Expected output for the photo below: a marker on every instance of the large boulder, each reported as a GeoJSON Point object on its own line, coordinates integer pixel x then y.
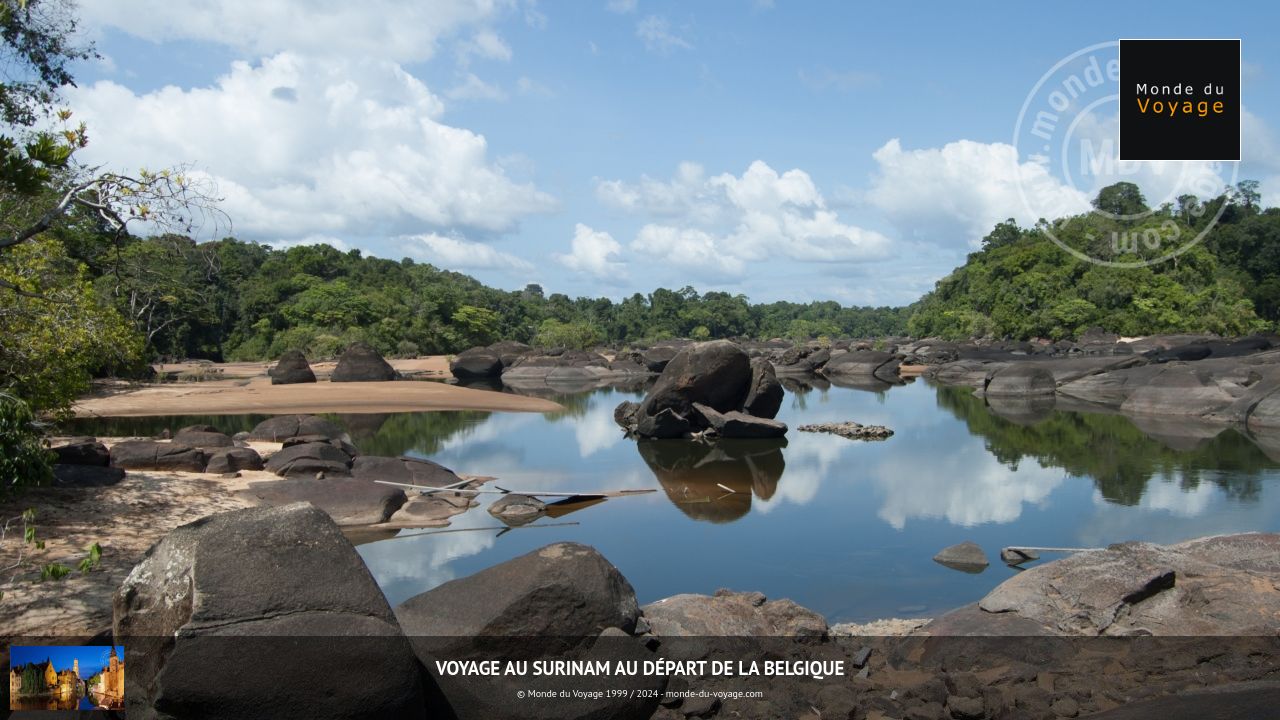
{"type": "Point", "coordinates": [307, 459]}
{"type": "Point", "coordinates": [1181, 390]}
{"type": "Point", "coordinates": [1020, 380]}
{"type": "Point", "coordinates": [346, 500]}
{"type": "Point", "coordinates": [82, 451]}
{"type": "Point", "coordinates": [476, 363]}
{"type": "Point", "coordinates": [361, 363]}
{"type": "Point", "coordinates": [280, 585]}
{"type": "Point", "coordinates": [1110, 388]}
{"type": "Point", "coordinates": [864, 362]}
{"type": "Point", "coordinates": [716, 374]}
{"type": "Point", "coordinates": [283, 427]}
{"type": "Point", "coordinates": [508, 351]}
{"type": "Point", "coordinates": [732, 614]}
{"type": "Point", "coordinates": [410, 471]}
{"type": "Point", "coordinates": [1265, 414]}
{"type": "Point", "coordinates": [965, 557]}
{"type": "Point", "coordinates": [153, 455]}
{"type": "Point", "coordinates": [738, 425]}
{"type": "Point", "coordinates": [202, 436]}
{"type": "Point", "coordinates": [229, 460]}
{"type": "Point", "coordinates": [656, 358]}
{"type": "Point", "coordinates": [764, 398]}
{"type": "Point", "coordinates": [292, 368]}
{"type": "Point", "coordinates": [1216, 586]}
{"type": "Point", "coordinates": [565, 594]}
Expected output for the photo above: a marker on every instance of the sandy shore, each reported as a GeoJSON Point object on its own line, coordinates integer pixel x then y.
{"type": "Point", "coordinates": [124, 519]}
{"type": "Point", "coordinates": [244, 389]}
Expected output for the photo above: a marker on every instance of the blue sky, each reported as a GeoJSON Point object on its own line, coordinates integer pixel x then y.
{"type": "Point", "coordinates": [92, 657]}
{"type": "Point", "coordinates": [606, 147]}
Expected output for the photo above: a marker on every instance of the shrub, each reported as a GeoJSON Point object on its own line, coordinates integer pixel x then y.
{"type": "Point", "coordinates": [23, 459]}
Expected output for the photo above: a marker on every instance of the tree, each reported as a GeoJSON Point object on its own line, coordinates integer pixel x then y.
{"type": "Point", "coordinates": [1122, 199]}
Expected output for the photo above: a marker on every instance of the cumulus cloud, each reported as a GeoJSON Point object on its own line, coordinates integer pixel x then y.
{"type": "Point", "coordinates": [451, 252]}
{"type": "Point", "coordinates": [721, 223]}
{"type": "Point", "coordinates": [300, 146]}
{"type": "Point", "coordinates": [486, 44]}
{"type": "Point", "coordinates": [592, 253]}
{"type": "Point", "coordinates": [473, 88]}
{"type": "Point", "coordinates": [656, 32]}
{"type": "Point", "coordinates": [401, 30]}
{"type": "Point", "coordinates": [960, 191]}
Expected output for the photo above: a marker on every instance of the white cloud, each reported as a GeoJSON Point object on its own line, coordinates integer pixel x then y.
{"type": "Point", "coordinates": [592, 253]}
{"type": "Point", "coordinates": [621, 6]}
{"type": "Point", "coordinates": [656, 32]}
{"type": "Point", "coordinates": [960, 191]}
{"type": "Point", "coordinates": [485, 44]}
{"type": "Point", "coordinates": [300, 146]}
{"type": "Point", "coordinates": [719, 224]}
{"type": "Point", "coordinates": [456, 253]}
{"type": "Point", "coordinates": [402, 30]}
{"type": "Point", "coordinates": [473, 88]}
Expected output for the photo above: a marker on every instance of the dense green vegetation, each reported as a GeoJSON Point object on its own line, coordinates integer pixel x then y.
{"type": "Point", "coordinates": [232, 300]}
{"type": "Point", "coordinates": [1020, 285]}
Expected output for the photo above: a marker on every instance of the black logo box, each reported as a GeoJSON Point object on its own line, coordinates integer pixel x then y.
{"type": "Point", "coordinates": [1185, 67]}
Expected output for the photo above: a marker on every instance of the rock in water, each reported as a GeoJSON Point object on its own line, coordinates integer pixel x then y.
{"type": "Point", "coordinates": [965, 557]}
{"type": "Point", "coordinates": [851, 430]}
{"type": "Point", "coordinates": [283, 427]}
{"type": "Point", "coordinates": [478, 362]}
{"type": "Point", "coordinates": [737, 425]}
{"type": "Point", "coordinates": [361, 363]}
{"type": "Point", "coordinates": [292, 369]}
{"type": "Point", "coordinates": [280, 585]}
{"type": "Point", "coordinates": [1021, 379]}
{"type": "Point", "coordinates": [516, 509]}
{"type": "Point", "coordinates": [765, 396]}
{"type": "Point", "coordinates": [716, 374]}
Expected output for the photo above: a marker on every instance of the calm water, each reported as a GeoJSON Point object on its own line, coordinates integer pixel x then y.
{"type": "Point", "coordinates": [844, 527]}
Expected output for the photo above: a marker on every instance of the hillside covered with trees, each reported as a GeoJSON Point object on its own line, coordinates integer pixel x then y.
{"type": "Point", "coordinates": [1021, 285]}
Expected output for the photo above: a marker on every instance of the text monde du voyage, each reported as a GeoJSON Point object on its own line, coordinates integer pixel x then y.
{"type": "Point", "coordinates": [1181, 99]}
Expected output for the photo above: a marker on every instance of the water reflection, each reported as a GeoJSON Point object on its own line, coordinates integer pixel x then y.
{"type": "Point", "coordinates": [715, 482]}
{"type": "Point", "coordinates": [870, 516]}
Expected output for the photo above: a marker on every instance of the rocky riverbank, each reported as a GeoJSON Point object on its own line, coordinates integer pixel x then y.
{"type": "Point", "coordinates": [248, 579]}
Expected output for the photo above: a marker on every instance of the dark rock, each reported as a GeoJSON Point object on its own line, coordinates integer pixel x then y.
{"type": "Point", "coordinates": [716, 374]}
{"type": "Point", "coordinates": [152, 455]}
{"type": "Point", "coordinates": [566, 593]}
{"type": "Point", "coordinates": [1226, 702]}
{"type": "Point", "coordinates": [966, 708]}
{"type": "Point", "coordinates": [346, 500]}
{"type": "Point", "coordinates": [1018, 556]}
{"type": "Point", "coordinates": [1021, 379]}
{"type": "Point", "coordinates": [283, 427]}
{"type": "Point", "coordinates": [192, 437]}
{"type": "Point", "coordinates": [85, 475]}
{"type": "Point", "coordinates": [656, 358]}
{"type": "Point", "coordinates": [308, 458]}
{"type": "Point", "coordinates": [279, 585]}
{"type": "Point", "coordinates": [864, 362]}
{"type": "Point", "coordinates": [625, 415]}
{"type": "Point", "coordinates": [478, 362]}
{"type": "Point", "coordinates": [82, 451]}
{"type": "Point", "coordinates": [699, 706]}
{"type": "Point", "coordinates": [665, 425]}
{"type": "Point", "coordinates": [1184, 353]}
{"type": "Point", "coordinates": [291, 369]}
{"type": "Point", "coordinates": [730, 614]}
{"type": "Point", "coordinates": [411, 471]}
{"type": "Point", "coordinates": [966, 557]}
{"type": "Point", "coordinates": [1184, 391]}
{"type": "Point", "coordinates": [739, 425]}
{"type": "Point", "coordinates": [764, 399]}
{"type": "Point", "coordinates": [361, 363]}
{"type": "Point", "coordinates": [232, 460]}
{"type": "Point", "coordinates": [508, 351]}
{"type": "Point", "coordinates": [517, 509]}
